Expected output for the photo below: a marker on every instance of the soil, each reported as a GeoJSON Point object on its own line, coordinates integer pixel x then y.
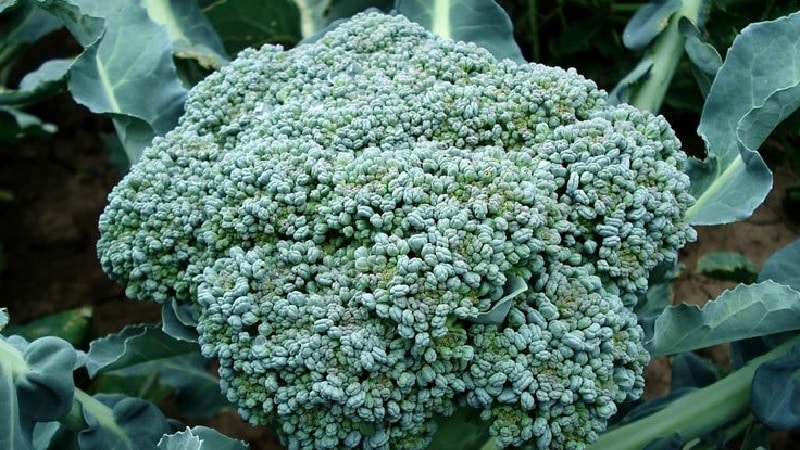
{"type": "Point", "coordinates": [59, 186]}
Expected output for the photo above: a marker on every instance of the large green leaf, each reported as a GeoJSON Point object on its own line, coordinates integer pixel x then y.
{"type": "Point", "coordinates": [483, 22]}
{"type": "Point", "coordinates": [756, 87]}
{"type": "Point", "coordinates": [14, 432]}
{"type": "Point", "coordinates": [126, 69]}
{"type": "Point", "coordinates": [129, 72]}
{"type": "Point", "coordinates": [746, 311]}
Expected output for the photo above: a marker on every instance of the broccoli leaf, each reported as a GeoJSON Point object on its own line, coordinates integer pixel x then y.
{"type": "Point", "coordinates": [7, 4]}
{"type": "Point", "coordinates": [753, 91]}
{"type": "Point", "coordinates": [775, 396]}
{"type": "Point", "coordinates": [621, 92]}
{"type": "Point", "coordinates": [648, 22]}
{"type": "Point", "coordinates": [125, 55]}
{"type": "Point", "coordinates": [782, 267]}
{"type": "Point", "coordinates": [117, 422]}
{"type": "Point", "coordinates": [44, 82]}
{"type": "Point", "coordinates": [480, 21]}
{"type": "Point", "coordinates": [692, 371]}
{"type": "Point", "coordinates": [19, 28]}
{"type": "Point", "coordinates": [71, 325]}
{"type": "Point", "coordinates": [727, 266]}
{"type": "Point", "coordinates": [199, 438]}
{"type": "Point", "coordinates": [190, 31]}
{"type": "Point", "coordinates": [35, 385]}
{"type": "Point", "coordinates": [197, 392]}
{"type": "Point", "coordinates": [746, 311]}
{"type": "Point", "coordinates": [177, 321]}
{"type": "Point", "coordinates": [133, 345]}
{"type": "Point", "coordinates": [497, 314]}
{"type": "Point", "coordinates": [15, 125]}
{"type": "Point", "coordinates": [704, 57]}
{"type": "Point", "coordinates": [240, 23]}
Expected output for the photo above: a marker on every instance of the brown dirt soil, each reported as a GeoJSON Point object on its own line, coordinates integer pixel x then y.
{"type": "Point", "coordinates": [59, 187]}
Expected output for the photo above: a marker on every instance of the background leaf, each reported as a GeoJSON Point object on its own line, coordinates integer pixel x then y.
{"type": "Point", "coordinates": [648, 22]}
{"type": "Point", "coordinates": [117, 422]}
{"type": "Point", "coordinates": [480, 21]}
{"type": "Point", "coordinates": [753, 91]}
{"type": "Point", "coordinates": [42, 83]}
{"type": "Point", "coordinates": [199, 438]}
{"type": "Point", "coordinates": [621, 92]}
{"type": "Point", "coordinates": [252, 23]}
{"type": "Point", "coordinates": [692, 371]}
{"type": "Point", "coordinates": [45, 392]}
{"type": "Point", "coordinates": [133, 345]}
{"type": "Point", "coordinates": [783, 266]}
{"type": "Point", "coordinates": [746, 311]}
{"type": "Point", "coordinates": [775, 395]}
{"type": "Point", "coordinates": [177, 321]}
{"type": "Point", "coordinates": [727, 266]}
{"type": "Point", "coordinates": [21, 27]}
{"type": "Point", "coordinates": [189, 30]}
{"type": "Point", "coordinates": [16, 125]}
{"type": "Point", "coordinates": [187, 376]}
{"type": "Point", "coordinates": [84, 27]}
{"type": "Point", "coordinates": [35, 386]}
{"type": "Point", "coordinates": [705, 59]}
{"type": "Point", "coordinates": [15, 429]}
{"type": "Point", "coordinates": [71, 325]}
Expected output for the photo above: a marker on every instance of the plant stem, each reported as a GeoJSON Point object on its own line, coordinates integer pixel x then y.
{"type": "Point", "coordinates": [665, 53]}
{"type": "Point", "coordinates": [696, 413]}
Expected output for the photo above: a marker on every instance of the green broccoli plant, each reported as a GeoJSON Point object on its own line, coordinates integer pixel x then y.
{"type": "Point", "coordinates": [382, 227]}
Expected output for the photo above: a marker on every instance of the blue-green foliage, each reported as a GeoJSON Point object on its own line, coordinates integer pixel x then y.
{"type": "Point", "coordinates": [340, 215]}
{"type": "Point", "coordinates": [35, 385]}
{"type": "Point", "coordinates": [42, 408]}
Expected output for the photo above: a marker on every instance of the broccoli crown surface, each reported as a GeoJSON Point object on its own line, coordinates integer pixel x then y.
{"type": "Point", "coordinates": [347, 215]}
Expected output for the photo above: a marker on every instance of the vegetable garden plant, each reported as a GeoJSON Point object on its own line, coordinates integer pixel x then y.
{"type": "Point", "coordinates": [391, 231]}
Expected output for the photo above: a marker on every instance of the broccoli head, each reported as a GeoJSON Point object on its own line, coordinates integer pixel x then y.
{"type": "Point", "coordinates": [383, 228]}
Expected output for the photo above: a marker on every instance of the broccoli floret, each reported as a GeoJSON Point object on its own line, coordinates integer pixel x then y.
{"type": "Point", "coordinates": [349, 218]}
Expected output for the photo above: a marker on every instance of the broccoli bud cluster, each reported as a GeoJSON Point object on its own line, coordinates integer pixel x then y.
{"type": "Point", "coordinates": [353, 220]}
